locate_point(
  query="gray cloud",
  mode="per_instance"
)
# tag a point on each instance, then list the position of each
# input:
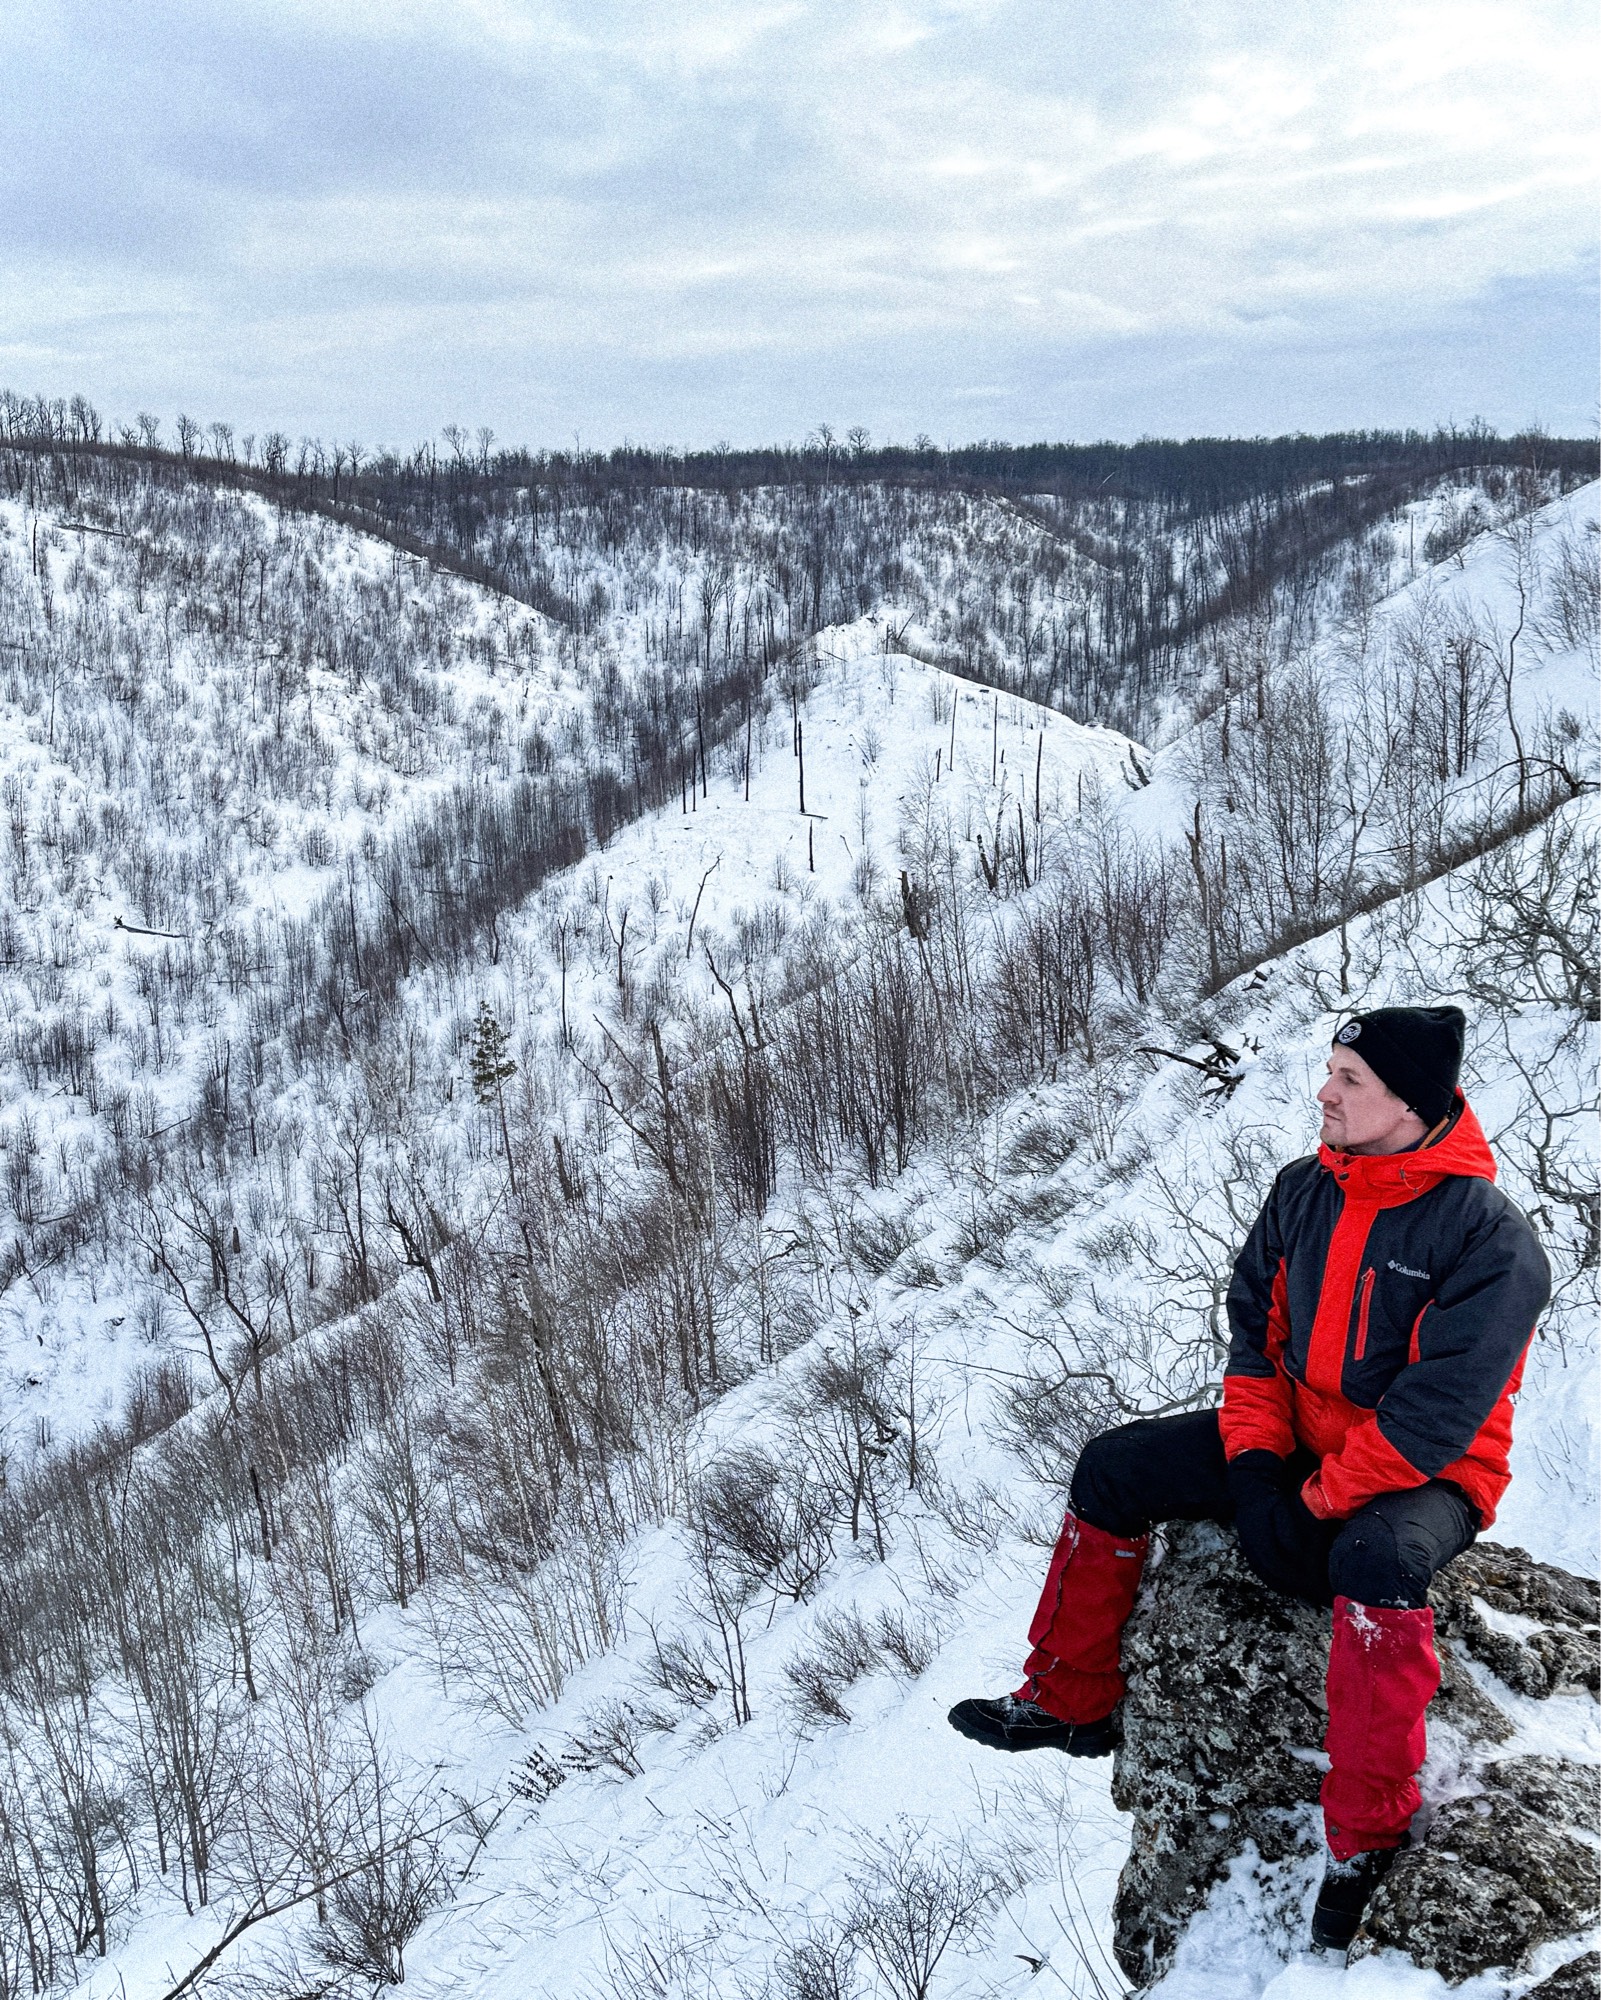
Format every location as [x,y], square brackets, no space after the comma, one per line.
[687,220]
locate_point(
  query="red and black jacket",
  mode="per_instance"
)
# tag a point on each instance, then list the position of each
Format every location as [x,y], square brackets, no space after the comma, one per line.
[1380,1313]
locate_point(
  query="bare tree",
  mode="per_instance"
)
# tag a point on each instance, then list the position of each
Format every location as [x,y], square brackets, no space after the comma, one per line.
[403,1873]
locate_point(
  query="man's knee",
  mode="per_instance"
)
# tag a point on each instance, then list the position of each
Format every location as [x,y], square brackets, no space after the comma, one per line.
[1155,1469]
[1392,1551]
[1371,1564]
[1102,1481]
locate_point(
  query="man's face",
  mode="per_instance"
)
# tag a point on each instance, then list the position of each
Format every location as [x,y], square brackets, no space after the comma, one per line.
[1361,1114]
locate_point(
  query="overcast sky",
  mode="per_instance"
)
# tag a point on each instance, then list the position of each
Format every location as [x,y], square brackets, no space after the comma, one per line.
[692,220]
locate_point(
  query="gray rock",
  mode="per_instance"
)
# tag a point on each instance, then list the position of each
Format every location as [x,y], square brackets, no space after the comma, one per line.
[1569,1794]
[1222,1739]
[1491,1881]
[1224,1675]
[1579,1979]
[1548,1864]
[1464,1704]
[1222,1736]
[1564,1655]
[1449,1916]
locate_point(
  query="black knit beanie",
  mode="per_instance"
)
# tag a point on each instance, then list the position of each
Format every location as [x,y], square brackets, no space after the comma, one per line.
[1417,1051]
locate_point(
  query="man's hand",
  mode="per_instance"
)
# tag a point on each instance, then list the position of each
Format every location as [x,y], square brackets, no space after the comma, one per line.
[1283,1541]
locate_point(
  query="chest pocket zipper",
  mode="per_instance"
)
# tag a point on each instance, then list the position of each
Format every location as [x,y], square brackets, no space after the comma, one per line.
[1362,1314]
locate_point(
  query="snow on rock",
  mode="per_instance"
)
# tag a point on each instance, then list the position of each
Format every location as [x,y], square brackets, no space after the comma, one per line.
[1578,1979]
[1222,1734]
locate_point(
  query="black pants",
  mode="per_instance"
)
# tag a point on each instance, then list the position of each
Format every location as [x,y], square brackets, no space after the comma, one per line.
[1173,1469]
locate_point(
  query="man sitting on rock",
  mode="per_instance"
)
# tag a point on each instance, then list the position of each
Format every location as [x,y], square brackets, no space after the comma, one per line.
[1379,1311]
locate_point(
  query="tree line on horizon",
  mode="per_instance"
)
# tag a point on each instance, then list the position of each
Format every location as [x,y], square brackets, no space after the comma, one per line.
[1206,471]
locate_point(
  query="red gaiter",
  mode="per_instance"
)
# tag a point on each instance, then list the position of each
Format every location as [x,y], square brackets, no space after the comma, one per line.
[1382,1673]
[1089,1592]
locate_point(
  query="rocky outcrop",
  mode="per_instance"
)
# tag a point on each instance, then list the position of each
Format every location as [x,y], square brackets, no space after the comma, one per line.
[1579,1979]
[1222,1752]
[1497,1873]
[1557,1649]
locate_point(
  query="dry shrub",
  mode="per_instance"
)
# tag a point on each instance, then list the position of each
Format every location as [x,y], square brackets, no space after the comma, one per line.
[843,1649]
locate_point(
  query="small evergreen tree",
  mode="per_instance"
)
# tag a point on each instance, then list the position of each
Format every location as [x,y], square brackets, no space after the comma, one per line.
[492,1065]
[492,1068]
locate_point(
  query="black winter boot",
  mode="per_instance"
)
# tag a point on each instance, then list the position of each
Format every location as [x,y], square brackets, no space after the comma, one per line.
[1007,1723]
[1347,1890]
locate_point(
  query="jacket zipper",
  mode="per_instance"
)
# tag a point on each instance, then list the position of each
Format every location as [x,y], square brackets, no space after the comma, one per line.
[1362,1315]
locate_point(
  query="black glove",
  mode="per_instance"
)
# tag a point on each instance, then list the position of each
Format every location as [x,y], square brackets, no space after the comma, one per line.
[1280,1537]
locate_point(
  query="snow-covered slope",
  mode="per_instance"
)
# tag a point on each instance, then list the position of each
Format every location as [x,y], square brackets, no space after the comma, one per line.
[823,826]
[209,714]
[214,717]
[690,1864]
[1498,624]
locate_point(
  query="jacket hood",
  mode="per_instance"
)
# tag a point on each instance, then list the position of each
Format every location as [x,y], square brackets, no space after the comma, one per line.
[1462,1150]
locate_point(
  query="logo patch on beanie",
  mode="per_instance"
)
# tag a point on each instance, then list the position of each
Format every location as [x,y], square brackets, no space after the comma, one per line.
[1349,1032]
